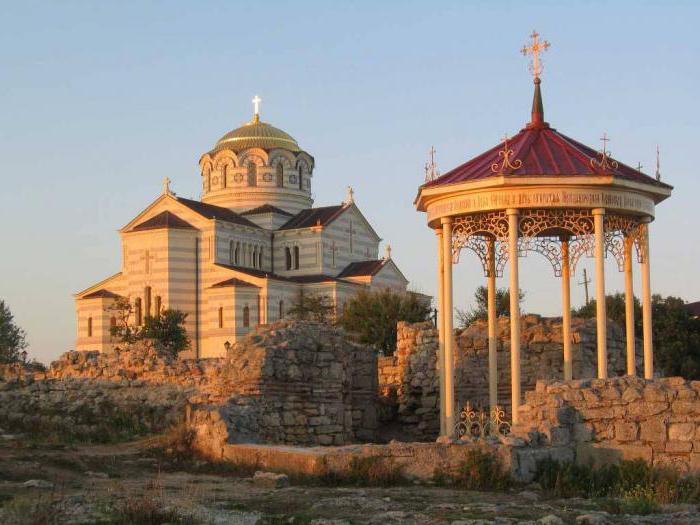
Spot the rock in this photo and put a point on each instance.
(270, 480)
(551, 519)
(594, 518)
(323, 521)
(100, 475)
(529, 495)
(38, 484)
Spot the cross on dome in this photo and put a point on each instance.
(256, 107)
(534, 49)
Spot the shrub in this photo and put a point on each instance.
(481, 470)
(149, 508)
(37, 510)
(640, 500)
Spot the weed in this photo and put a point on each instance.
(482, 470)
(149, 508)
(640, 500)
(45, 509)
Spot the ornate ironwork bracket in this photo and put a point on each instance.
(481, 424)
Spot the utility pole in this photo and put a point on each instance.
(586, 281)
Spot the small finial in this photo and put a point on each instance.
(166, 186)
(639, 167)
(431, 169)
(658, 163)
(256, 108)
(350, 196)
(534, 49)
(387, 252)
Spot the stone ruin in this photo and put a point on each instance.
(294, 383)
(409, 380)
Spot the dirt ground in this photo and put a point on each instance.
(137, 483)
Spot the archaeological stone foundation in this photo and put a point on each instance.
(308, 386)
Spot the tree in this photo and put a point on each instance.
(123, 329)
(372, 315)
(13, 339)
(167, 329)
(311, 307)
(615, 310)
(675, 332)
(480, 311)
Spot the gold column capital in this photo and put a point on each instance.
(598, 211)
(446, 220)
(512, 211)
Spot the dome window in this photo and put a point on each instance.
(280, 175)
(252, 174)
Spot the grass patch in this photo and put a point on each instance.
(43, 509)
(149, 508)
(481, 470)
(638, 487)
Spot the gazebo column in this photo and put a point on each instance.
(493, 356)
(629, 307)
(514, 312)
(441, 331)
(448, 336)
(646, 307)
(601, 320)
(566, 309)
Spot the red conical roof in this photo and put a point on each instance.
(543, 151)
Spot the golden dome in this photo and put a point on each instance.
(257, 134)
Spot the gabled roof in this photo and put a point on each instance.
(541, 151)
(363, 268)
(267, 208)
(233, 282)
(101, 294)
(314, 217)
(210, 211)
(165, 219)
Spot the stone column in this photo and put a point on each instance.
(447, 323)
(514, 312)
(493, 356)
(441, 331)
(566, 309)
(629, 307)
(646, 307)
(601, 320)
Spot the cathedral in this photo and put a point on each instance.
(243, 254)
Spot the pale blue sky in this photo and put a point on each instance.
(101, 100)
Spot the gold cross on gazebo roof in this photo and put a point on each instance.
(534, 49)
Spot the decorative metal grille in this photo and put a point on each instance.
(481, 424)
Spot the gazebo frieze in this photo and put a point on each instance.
(488, 200)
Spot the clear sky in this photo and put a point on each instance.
(100, 100)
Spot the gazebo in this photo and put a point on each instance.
(540, 191)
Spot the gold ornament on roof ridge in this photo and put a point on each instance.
(605, 162)
(534, 49)
(506, 153)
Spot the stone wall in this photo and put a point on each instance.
(298, 384)
(290, 383)
(409, 383)
(621, 418)
(89, 410)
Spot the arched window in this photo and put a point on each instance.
(208, 181)
(112, 324)
(236, 254)
(224, 170)
(280, 175)
(147, 300)
(231, 252)
(156, 310)
(281, 312)
(246, 316)
(301, 179)
(260, 258)
(252, 174)
(89, 327)
(288, 258)
(221, 316)
(296, 257)
(138, 312)
(255, 257)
